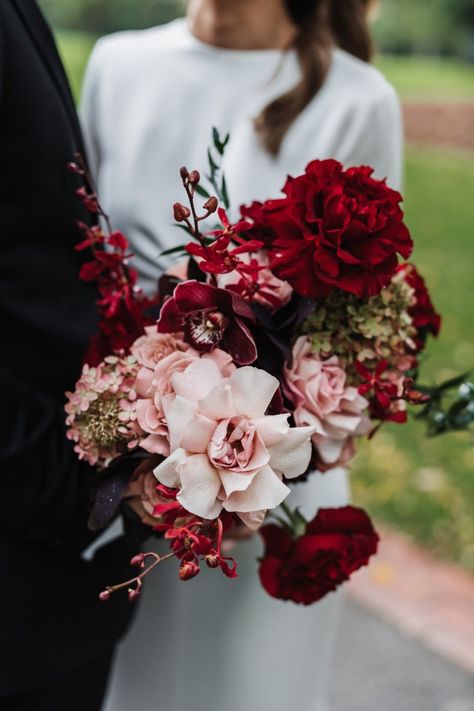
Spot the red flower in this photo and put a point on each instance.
(335, 228)
(425, 319)
(336, 543)
(385, 399)
(210, 318)
(216, 257)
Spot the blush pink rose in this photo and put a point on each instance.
(322, 399)
(149, 349)
(225, 453)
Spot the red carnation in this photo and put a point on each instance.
(335, 228)
(425, 319)
(210, 318)
(336, 543)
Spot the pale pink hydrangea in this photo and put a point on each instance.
(322, 399)
(101, 415)
(225, 452)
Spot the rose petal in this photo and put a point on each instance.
(197, 380)
(200, 485)
(167, 472)
(252, 519)
(292, 454)
(219, 403)
(266, 491)
(253, 390)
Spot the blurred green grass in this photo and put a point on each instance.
(425, 487)
(429, 78)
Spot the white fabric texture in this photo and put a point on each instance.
(150, 100)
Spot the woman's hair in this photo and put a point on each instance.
(321, 24)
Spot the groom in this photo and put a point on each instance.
(56, 639)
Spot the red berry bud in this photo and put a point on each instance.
(211, 205)
(133, 594)
(194, 177)
(105, 595)
(188, 570)
(212, 560)
(184, 172)
(137, 559)
(180, 212)
(74, 168)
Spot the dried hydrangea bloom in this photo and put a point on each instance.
(101, 415)
(366, 329)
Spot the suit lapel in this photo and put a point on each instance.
(43, 39)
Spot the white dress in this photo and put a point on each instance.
(150, 100)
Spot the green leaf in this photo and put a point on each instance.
(213, 165)
(202, 191)
(174, 250)
(224, 193)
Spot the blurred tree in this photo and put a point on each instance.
(435, 27)
(102, 16)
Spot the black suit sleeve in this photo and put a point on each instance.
(43, 486)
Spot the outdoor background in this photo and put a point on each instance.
(424, 487)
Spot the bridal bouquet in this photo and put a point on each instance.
(282, 338)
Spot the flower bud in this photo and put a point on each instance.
(74, 168)
(194, 177)
(184, 172)
(138, 560)
(105, 595)
(133, 594)
(188, 570)
(180, 212)
(212, 560)
(211, 205)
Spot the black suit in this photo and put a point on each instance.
(51, 622)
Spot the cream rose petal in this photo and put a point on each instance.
(197, 380)
(234, 481)
(253, 519)
(200, 485)
(271, 428)
(266, 491)
(219, 403)
(329, 449)
(292, 454)
(167, 472)
(187, 427)
(253, 390)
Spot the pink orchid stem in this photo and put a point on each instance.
(137, 581)
(91, 186)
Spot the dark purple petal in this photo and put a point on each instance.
(238, 342)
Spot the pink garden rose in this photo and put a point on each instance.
(155, 391)
(225, 453)
(149, 349)
(323, 400)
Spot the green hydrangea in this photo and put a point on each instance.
(367, 329)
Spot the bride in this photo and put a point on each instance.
(290, 80)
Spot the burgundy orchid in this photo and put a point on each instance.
(210, 318)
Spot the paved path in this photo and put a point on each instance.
(448, 124)
(430, 600)
(377, 668)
